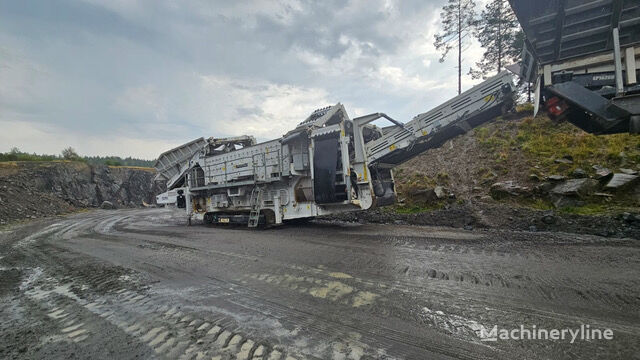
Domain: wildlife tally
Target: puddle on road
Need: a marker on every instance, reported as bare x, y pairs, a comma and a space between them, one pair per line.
364, 298
33, 237
340, 275
332, 290
31, 278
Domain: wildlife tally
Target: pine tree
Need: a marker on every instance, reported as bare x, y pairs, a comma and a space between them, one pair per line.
500, 35
457, 18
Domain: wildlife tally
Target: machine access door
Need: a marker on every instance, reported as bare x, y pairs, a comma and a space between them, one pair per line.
325, 163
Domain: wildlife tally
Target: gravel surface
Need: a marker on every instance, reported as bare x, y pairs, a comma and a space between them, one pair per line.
138, 283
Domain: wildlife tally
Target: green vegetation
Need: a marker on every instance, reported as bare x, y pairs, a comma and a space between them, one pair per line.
118, 161
538, 204
549, 148
526, 150
417, 190
415, 209
442, 178
16, 155
412, 186
587, 209
524, 107
543, 141
71, 155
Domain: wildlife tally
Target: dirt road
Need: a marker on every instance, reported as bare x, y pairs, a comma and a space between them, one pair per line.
140, 284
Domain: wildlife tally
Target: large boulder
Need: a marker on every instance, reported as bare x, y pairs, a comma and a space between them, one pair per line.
543, 188
575, 187
501, 190
534, 177
417, 195
107, 205
602, 173
556, 177
571, 192
628, 171
578, 173
619, 181
567, 159
440, 192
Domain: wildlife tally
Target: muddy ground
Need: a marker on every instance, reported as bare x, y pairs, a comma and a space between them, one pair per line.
493, 215
138, 283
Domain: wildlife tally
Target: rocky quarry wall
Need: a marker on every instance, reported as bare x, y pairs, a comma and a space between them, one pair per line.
37, 189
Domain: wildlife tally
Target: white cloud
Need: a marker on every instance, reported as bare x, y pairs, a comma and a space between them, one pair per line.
23, 82
282, 12
355, 60
396, 77
145, 74
260, 108
143, 102
412, 70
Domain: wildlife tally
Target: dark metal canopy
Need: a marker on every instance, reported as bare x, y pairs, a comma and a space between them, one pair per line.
564, 29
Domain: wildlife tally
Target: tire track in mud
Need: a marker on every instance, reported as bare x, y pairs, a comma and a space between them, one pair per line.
169, 332
545, 288
442, 296
542, 287
255, 302
548, 288
352, 334
220, 341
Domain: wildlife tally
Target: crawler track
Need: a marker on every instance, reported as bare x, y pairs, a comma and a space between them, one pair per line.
140, 284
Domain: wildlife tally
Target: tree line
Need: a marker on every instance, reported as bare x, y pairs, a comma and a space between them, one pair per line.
495, 27
70, 154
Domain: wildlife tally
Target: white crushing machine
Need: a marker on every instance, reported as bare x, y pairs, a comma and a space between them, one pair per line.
582, 55
326, 165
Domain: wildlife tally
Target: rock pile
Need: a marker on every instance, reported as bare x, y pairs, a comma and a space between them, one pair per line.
571, 192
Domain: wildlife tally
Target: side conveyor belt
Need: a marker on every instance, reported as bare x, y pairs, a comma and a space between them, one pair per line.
482, 103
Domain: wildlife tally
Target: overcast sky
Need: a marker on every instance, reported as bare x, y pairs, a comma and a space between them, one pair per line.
137, 77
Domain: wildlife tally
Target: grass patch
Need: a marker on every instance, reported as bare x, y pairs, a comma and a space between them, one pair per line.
16, 155
588, 209
13, 156
442, 178
416, 209
525, 107
539, 204
496, 141
543, 141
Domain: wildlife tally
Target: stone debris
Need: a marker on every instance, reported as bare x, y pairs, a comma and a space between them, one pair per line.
556, 177
501, 190
621, 180
575, 187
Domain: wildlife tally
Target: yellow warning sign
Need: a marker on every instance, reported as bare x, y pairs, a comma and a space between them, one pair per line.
489, 97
